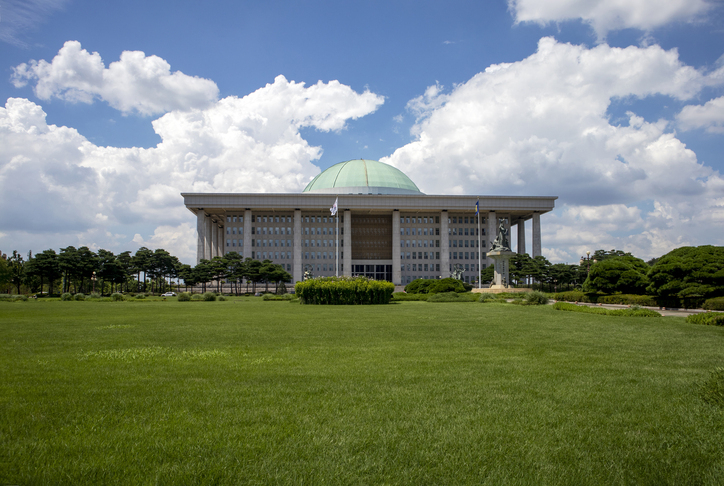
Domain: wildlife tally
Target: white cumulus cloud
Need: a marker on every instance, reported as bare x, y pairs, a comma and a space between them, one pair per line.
710, 116
55, 184
136, 82
540, 127
608, 15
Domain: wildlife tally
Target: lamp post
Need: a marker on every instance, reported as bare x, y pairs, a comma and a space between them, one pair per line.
555, 285
587, 259
94, 278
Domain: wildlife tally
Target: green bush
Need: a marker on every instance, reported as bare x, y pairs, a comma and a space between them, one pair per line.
209, 297
536, 298
628, 299
222, 298
20, 297
79, 296
446, 285
452, 297
95, 295
66, 296
140, 296
564, 306
571, 296
184, 297
716, 303
402, 296
418, 286
277, 297
344, 291
707, 319
712, 389
116, 297
197, 297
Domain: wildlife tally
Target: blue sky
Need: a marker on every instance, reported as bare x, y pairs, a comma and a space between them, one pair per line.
617, 109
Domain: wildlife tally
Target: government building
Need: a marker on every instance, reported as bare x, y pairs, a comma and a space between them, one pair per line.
384, 227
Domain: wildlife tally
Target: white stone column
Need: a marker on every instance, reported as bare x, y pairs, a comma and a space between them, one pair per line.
214, 239
521, 236
222, 241
396, 260
536, 235
246, 250
347, 248
492, 233
444, 246
209, 237
297, 263
201, 232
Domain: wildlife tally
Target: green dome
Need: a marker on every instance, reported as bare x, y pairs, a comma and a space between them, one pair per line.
362, 177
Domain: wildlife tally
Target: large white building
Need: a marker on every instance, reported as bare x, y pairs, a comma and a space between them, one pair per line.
387, 228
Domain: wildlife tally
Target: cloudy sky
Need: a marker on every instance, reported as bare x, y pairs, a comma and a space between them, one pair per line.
111, 109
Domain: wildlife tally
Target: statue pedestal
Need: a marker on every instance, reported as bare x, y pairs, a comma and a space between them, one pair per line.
501, 259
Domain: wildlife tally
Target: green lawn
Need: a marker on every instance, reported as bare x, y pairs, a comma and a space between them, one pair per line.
253, 392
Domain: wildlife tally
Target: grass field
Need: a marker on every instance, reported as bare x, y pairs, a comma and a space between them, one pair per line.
253, 392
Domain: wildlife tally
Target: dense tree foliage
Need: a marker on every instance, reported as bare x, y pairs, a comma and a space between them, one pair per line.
689, 272
622, 273
82, 270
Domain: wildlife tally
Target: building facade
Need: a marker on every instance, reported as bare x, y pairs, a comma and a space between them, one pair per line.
385, 228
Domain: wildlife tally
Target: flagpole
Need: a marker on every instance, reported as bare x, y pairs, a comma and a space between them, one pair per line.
480, 258
336, 244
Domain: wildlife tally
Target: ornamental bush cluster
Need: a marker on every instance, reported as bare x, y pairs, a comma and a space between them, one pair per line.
427, 286
717, 303
707, 319
605, 312
344, 291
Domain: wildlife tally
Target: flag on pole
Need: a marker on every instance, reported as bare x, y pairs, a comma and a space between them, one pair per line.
333, 209
477, 207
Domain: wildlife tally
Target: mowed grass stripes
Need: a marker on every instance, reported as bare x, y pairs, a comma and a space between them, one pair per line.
254, 392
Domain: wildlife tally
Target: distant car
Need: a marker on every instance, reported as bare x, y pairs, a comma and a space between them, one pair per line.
169, 294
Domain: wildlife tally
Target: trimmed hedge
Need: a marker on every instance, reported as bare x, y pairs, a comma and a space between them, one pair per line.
628, 299
563, 306
344, 291
707, 319
430, 286
277, 297
717, 303
571, 296
184, 297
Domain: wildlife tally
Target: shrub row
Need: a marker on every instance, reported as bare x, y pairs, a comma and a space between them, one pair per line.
285, 297
717, 303
428, 286
707, 319
628, 299
344, 291
605, 312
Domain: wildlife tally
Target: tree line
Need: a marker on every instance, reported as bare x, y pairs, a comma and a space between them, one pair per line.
686, 275
83, 270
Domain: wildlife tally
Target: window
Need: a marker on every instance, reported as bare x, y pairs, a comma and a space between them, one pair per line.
228, 242
437, 243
